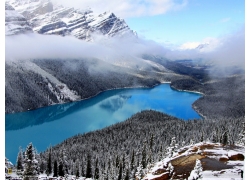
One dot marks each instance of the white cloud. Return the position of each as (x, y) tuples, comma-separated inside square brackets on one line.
[(223, 51), (228, 50), (127, 8), (35, 46), (189, 45)]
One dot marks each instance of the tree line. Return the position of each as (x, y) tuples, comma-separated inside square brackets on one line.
[(128, 149)]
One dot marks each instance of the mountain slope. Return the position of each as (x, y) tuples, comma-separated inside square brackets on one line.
[(47, 18), (31, 84), (15, 23)]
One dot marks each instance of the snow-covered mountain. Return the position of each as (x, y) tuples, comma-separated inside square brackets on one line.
[(202, 46), (47, 18), (15, 23)]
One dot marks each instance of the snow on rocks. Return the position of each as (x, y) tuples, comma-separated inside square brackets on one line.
[(15, 23), (48, 18), (207, 160)]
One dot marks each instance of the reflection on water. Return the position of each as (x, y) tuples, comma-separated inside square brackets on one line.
[(51, 125), (114, 103)]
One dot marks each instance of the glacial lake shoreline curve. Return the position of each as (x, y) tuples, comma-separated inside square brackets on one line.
[(66, 120)]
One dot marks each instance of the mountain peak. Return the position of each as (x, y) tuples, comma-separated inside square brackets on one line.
[(47, 18)]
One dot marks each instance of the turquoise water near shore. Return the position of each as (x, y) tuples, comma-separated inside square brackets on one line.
[(51, 125)]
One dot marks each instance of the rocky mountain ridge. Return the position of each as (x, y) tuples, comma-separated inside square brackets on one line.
[(44, 17), (15, 23)]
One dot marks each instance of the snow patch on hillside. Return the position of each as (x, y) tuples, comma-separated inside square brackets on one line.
[(64, 91)]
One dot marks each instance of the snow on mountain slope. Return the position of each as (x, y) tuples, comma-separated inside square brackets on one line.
[(46, 18), (62, 89), (15, 23)]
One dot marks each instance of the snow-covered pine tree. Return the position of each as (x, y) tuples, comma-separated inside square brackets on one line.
[(191, 142), (77, 168), (139, 172), (120, 172), (19, 162), (97, 173), (63, 163), (144, 157), (241, 140), (132, 162), (60, 169), (170, 169), (30, 163), (197, 172), (89, 167), (172, 148), (126, 175), (224, 138), (42, 166), (183, 143), (214, 137), (55, 169), (49, 164)]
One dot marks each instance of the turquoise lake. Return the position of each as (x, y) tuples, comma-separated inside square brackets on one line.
[(51, 125)]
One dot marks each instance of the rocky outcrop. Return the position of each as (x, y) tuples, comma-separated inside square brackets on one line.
[(15, 23), (46, 18)]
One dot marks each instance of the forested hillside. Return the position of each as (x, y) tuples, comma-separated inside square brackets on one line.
[(43, 82), (145, 138)]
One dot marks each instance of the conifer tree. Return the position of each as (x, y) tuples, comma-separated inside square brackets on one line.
[(30, 163), (77, 168), (139, 172), (241, 140), (97, 175), (144, 157), (55, 169), (126, 175), (120, 172), (170, 169), (49, 164), (88, 168), (19, 163), (202, 137), (224, 139), (60, 169), (116, 161), (151, 142), (132, 162), (197, 172)]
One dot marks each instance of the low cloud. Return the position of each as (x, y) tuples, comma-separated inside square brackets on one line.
[(36, 46), (128, 8), (224, 51), (228, 50)]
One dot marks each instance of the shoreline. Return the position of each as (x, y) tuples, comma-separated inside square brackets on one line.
[(132, 87), (121, 88)]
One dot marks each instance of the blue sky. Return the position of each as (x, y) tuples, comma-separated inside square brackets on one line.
[(196, 21), (173, 22)]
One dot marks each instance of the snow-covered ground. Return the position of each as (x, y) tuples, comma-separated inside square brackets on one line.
[(217, 162)]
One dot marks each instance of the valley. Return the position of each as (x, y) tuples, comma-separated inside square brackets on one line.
[(62, 61)]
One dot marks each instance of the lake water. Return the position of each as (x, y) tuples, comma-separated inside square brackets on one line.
[(51, 125)]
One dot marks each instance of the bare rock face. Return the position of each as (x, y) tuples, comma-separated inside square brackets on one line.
[(237, 157), (15, 23), (46, 18)]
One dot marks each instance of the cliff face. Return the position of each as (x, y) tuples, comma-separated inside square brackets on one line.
[(46, 18), (15, 23)]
